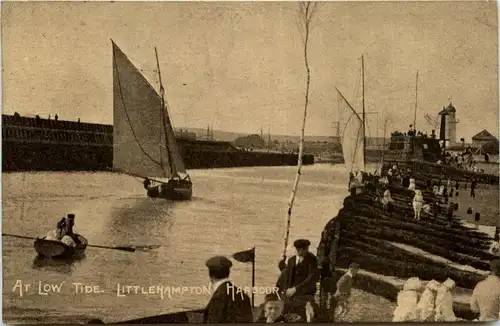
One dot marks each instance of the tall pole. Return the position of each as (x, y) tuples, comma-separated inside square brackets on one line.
[(383, 146), (269, 139), (162, 94), (364, 118), (253, 279), (416, 102)]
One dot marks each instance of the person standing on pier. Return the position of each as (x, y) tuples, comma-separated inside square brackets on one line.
[(473, 186), (228, 304)]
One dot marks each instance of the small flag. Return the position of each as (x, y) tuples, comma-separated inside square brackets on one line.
[(245, 256)]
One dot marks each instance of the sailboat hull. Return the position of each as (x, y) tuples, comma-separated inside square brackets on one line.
[(173, 190)]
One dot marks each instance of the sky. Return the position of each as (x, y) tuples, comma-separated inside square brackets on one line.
[(239, 66)]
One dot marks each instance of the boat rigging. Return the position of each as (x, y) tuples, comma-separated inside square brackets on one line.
[(144, 143)]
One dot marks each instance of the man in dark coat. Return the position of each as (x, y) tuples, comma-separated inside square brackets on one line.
[(229, 304), (301, 272), (298, 280)]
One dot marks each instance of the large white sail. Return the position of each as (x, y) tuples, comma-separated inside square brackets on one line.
[(351, 136), (141, 125)]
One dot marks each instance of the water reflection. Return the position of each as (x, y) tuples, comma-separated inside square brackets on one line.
[(61, 266), (141, 217)]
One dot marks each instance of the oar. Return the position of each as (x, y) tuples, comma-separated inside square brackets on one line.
[(129, 249)]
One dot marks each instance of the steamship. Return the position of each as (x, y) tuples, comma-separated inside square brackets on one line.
[(424, 154)]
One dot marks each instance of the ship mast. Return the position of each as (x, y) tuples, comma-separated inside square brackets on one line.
[(383, 146), (416, 104), (162, 94), (364, 113)]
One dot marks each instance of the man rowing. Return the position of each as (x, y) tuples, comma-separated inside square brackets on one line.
[(64, 231)]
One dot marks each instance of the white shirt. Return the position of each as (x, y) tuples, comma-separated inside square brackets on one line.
[(298, 259), (216, 285)]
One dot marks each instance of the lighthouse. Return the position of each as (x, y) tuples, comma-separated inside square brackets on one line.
[(451, 123)]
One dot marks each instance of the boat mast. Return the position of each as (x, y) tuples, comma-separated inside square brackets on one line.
[(383, 146), (162, 94), (416, 102), (364, 113)]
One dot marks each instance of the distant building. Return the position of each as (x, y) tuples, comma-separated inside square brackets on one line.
[(250, 141), (482, 138), (451, 123)]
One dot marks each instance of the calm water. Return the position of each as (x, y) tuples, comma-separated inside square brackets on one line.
[(232, 210)]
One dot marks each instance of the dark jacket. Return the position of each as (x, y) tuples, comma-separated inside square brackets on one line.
[(229, 304), (302, 277)]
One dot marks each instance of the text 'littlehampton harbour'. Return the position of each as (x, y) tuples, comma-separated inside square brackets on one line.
[(169, 291)]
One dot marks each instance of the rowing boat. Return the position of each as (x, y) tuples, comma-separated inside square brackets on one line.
[(57, 249)]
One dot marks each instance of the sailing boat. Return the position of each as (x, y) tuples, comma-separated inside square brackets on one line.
[(353, 138), (144, 142)]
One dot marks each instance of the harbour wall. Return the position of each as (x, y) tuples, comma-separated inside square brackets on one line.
[(49, 145), (71, 157)]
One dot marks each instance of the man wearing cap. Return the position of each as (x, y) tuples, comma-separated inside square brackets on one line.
[(229, 304), (301, 272), (486, 295)]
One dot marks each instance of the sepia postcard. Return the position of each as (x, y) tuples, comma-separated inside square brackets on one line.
[(238, 162)]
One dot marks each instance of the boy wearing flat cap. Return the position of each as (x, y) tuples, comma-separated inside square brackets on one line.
[(229, 304), (300, 274)]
